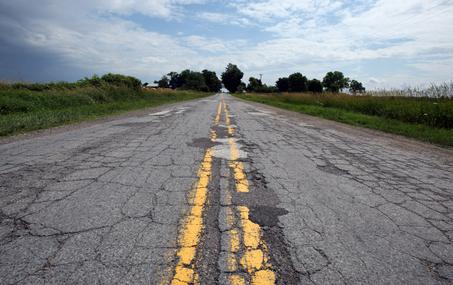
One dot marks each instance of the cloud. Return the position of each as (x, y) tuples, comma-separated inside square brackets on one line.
[(269, 36), (223, 18)]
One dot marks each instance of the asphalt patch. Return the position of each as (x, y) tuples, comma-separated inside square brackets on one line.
[(266, 216), (202, 143)]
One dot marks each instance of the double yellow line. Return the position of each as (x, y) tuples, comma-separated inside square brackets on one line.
[(192, 226), (254, 259), (255, 256)]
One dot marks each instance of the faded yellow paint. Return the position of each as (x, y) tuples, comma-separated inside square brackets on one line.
[(219, 112), (263, 277), (234, 248), (255, 259), (252, 260), (237, 280), (255, 256), (183, 274), (193, 227), (234, 241), (242, 184), (231, 130), (251, 232), (232, 262)]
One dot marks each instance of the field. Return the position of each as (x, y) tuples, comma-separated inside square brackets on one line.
[(27, 107), (427, 119)]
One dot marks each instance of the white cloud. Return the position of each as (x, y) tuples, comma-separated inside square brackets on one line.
[(302, 35), (223, 18)]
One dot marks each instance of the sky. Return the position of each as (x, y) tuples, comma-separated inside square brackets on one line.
[(382, 43)]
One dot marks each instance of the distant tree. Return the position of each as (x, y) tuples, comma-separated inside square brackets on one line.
[(192, 80), (174, 80), (282, 84), (212, 81), (254, 84), (315, 86), (297, 82), (335, 81), (145, 84), (232, 77), (164, 82), (356, 86)]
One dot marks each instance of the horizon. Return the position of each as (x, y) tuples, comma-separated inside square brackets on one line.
[(383, 44)]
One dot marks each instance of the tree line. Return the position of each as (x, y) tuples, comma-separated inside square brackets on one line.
[(231, 79), (206, 81)]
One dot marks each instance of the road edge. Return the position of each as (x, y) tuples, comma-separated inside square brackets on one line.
[(91, 122)]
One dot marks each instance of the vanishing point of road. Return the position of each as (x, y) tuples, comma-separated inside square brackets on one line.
[(222, 191)]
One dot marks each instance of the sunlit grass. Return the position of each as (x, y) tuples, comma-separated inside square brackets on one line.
[(23, 110)]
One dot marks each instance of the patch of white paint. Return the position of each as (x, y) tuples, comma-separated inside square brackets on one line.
[(161, 113), (223, 150), (306, 125)]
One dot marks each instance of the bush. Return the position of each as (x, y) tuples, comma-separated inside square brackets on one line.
[(122, 80)]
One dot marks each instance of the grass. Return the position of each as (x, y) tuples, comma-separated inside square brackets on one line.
[(397, 115), (24, 109)]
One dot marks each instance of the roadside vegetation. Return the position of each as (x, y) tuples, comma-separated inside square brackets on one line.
[(425, 119), (425, 114), (31, 106)]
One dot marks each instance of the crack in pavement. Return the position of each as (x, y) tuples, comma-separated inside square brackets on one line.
[(327, 204)]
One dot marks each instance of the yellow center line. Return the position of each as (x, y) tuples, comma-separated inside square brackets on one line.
[(227, 119), (219, 112), (255, 259), (193, 224)]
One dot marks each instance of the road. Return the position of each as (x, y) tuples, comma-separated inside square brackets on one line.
[(220, 191)]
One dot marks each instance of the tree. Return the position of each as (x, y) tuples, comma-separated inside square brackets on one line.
[(232, 77), (212, 81), (335, 81), (356, 86), (282, 84), (164, 82), (254, 84), (297, 82), (192, 80), (175, 80), (315, 86)]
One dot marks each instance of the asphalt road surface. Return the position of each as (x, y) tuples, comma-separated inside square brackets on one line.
[(221, 191)]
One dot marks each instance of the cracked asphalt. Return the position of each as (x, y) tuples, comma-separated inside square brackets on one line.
[(222, 191)]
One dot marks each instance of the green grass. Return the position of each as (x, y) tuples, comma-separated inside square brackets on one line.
[(399, 122), (23, 109)]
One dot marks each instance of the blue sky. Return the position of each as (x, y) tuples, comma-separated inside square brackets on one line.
[(383, 43)]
